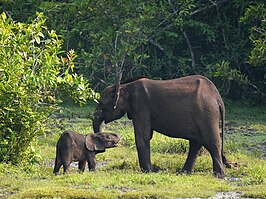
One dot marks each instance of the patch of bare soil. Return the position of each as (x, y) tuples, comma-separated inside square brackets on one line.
[(227, 195), (223, 195)]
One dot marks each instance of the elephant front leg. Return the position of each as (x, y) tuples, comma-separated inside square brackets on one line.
[(194, 148), (143, 134), (92, 161), (143, 149)]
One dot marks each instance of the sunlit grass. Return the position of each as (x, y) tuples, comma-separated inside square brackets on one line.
[(118, 174), (114, 183)]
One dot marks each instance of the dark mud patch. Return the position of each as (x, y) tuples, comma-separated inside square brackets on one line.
[(234, 127), (248, 137), (259, 147)]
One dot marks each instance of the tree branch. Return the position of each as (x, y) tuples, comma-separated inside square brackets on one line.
[(156, 44), (191, 52), (208, 7)]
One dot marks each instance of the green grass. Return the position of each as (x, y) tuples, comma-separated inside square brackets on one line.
[(119, 176)]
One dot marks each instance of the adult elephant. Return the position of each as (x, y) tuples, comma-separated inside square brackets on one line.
[(188, 107)]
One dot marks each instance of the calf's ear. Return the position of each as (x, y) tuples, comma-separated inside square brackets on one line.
[(89, 142), (93, 143)]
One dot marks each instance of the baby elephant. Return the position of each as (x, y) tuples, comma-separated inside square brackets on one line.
[(73, 146)]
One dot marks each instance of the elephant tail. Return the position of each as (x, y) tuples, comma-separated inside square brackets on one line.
[(226, 162), (222, 112)]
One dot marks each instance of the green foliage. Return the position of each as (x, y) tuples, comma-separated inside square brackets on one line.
[(224, 71), (126, 39), (73, 84), (160, 39), (229, 77), (109, 35), (31, 70), (256, 14)]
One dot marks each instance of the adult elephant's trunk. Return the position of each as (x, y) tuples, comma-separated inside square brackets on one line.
[(97, 120)]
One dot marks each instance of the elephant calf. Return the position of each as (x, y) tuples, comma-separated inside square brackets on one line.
[(73, 146)]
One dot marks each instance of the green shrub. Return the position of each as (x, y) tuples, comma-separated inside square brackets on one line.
[(32, 74)]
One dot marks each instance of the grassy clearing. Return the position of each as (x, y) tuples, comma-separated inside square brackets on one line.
[(118, 174)]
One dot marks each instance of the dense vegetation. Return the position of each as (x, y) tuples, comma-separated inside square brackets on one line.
[(221, 39)]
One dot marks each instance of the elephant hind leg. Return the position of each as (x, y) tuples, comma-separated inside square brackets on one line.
[(82, 165), (66, 167), (194, 148), (66, 162), (57, 165), (215, 151)]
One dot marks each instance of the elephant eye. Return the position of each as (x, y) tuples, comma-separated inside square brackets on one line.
[(103, 104), (103, 107)]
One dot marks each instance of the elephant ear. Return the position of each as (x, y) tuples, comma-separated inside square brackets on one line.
[(93, 143)]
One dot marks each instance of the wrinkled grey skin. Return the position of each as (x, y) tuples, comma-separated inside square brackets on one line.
[(188, 107), (73, 146)]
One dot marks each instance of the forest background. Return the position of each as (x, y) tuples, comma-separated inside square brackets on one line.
[(221, 39)]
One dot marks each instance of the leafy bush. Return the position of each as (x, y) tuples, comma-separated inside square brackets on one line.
[(231, 80), (31, 75), (255, 14)]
